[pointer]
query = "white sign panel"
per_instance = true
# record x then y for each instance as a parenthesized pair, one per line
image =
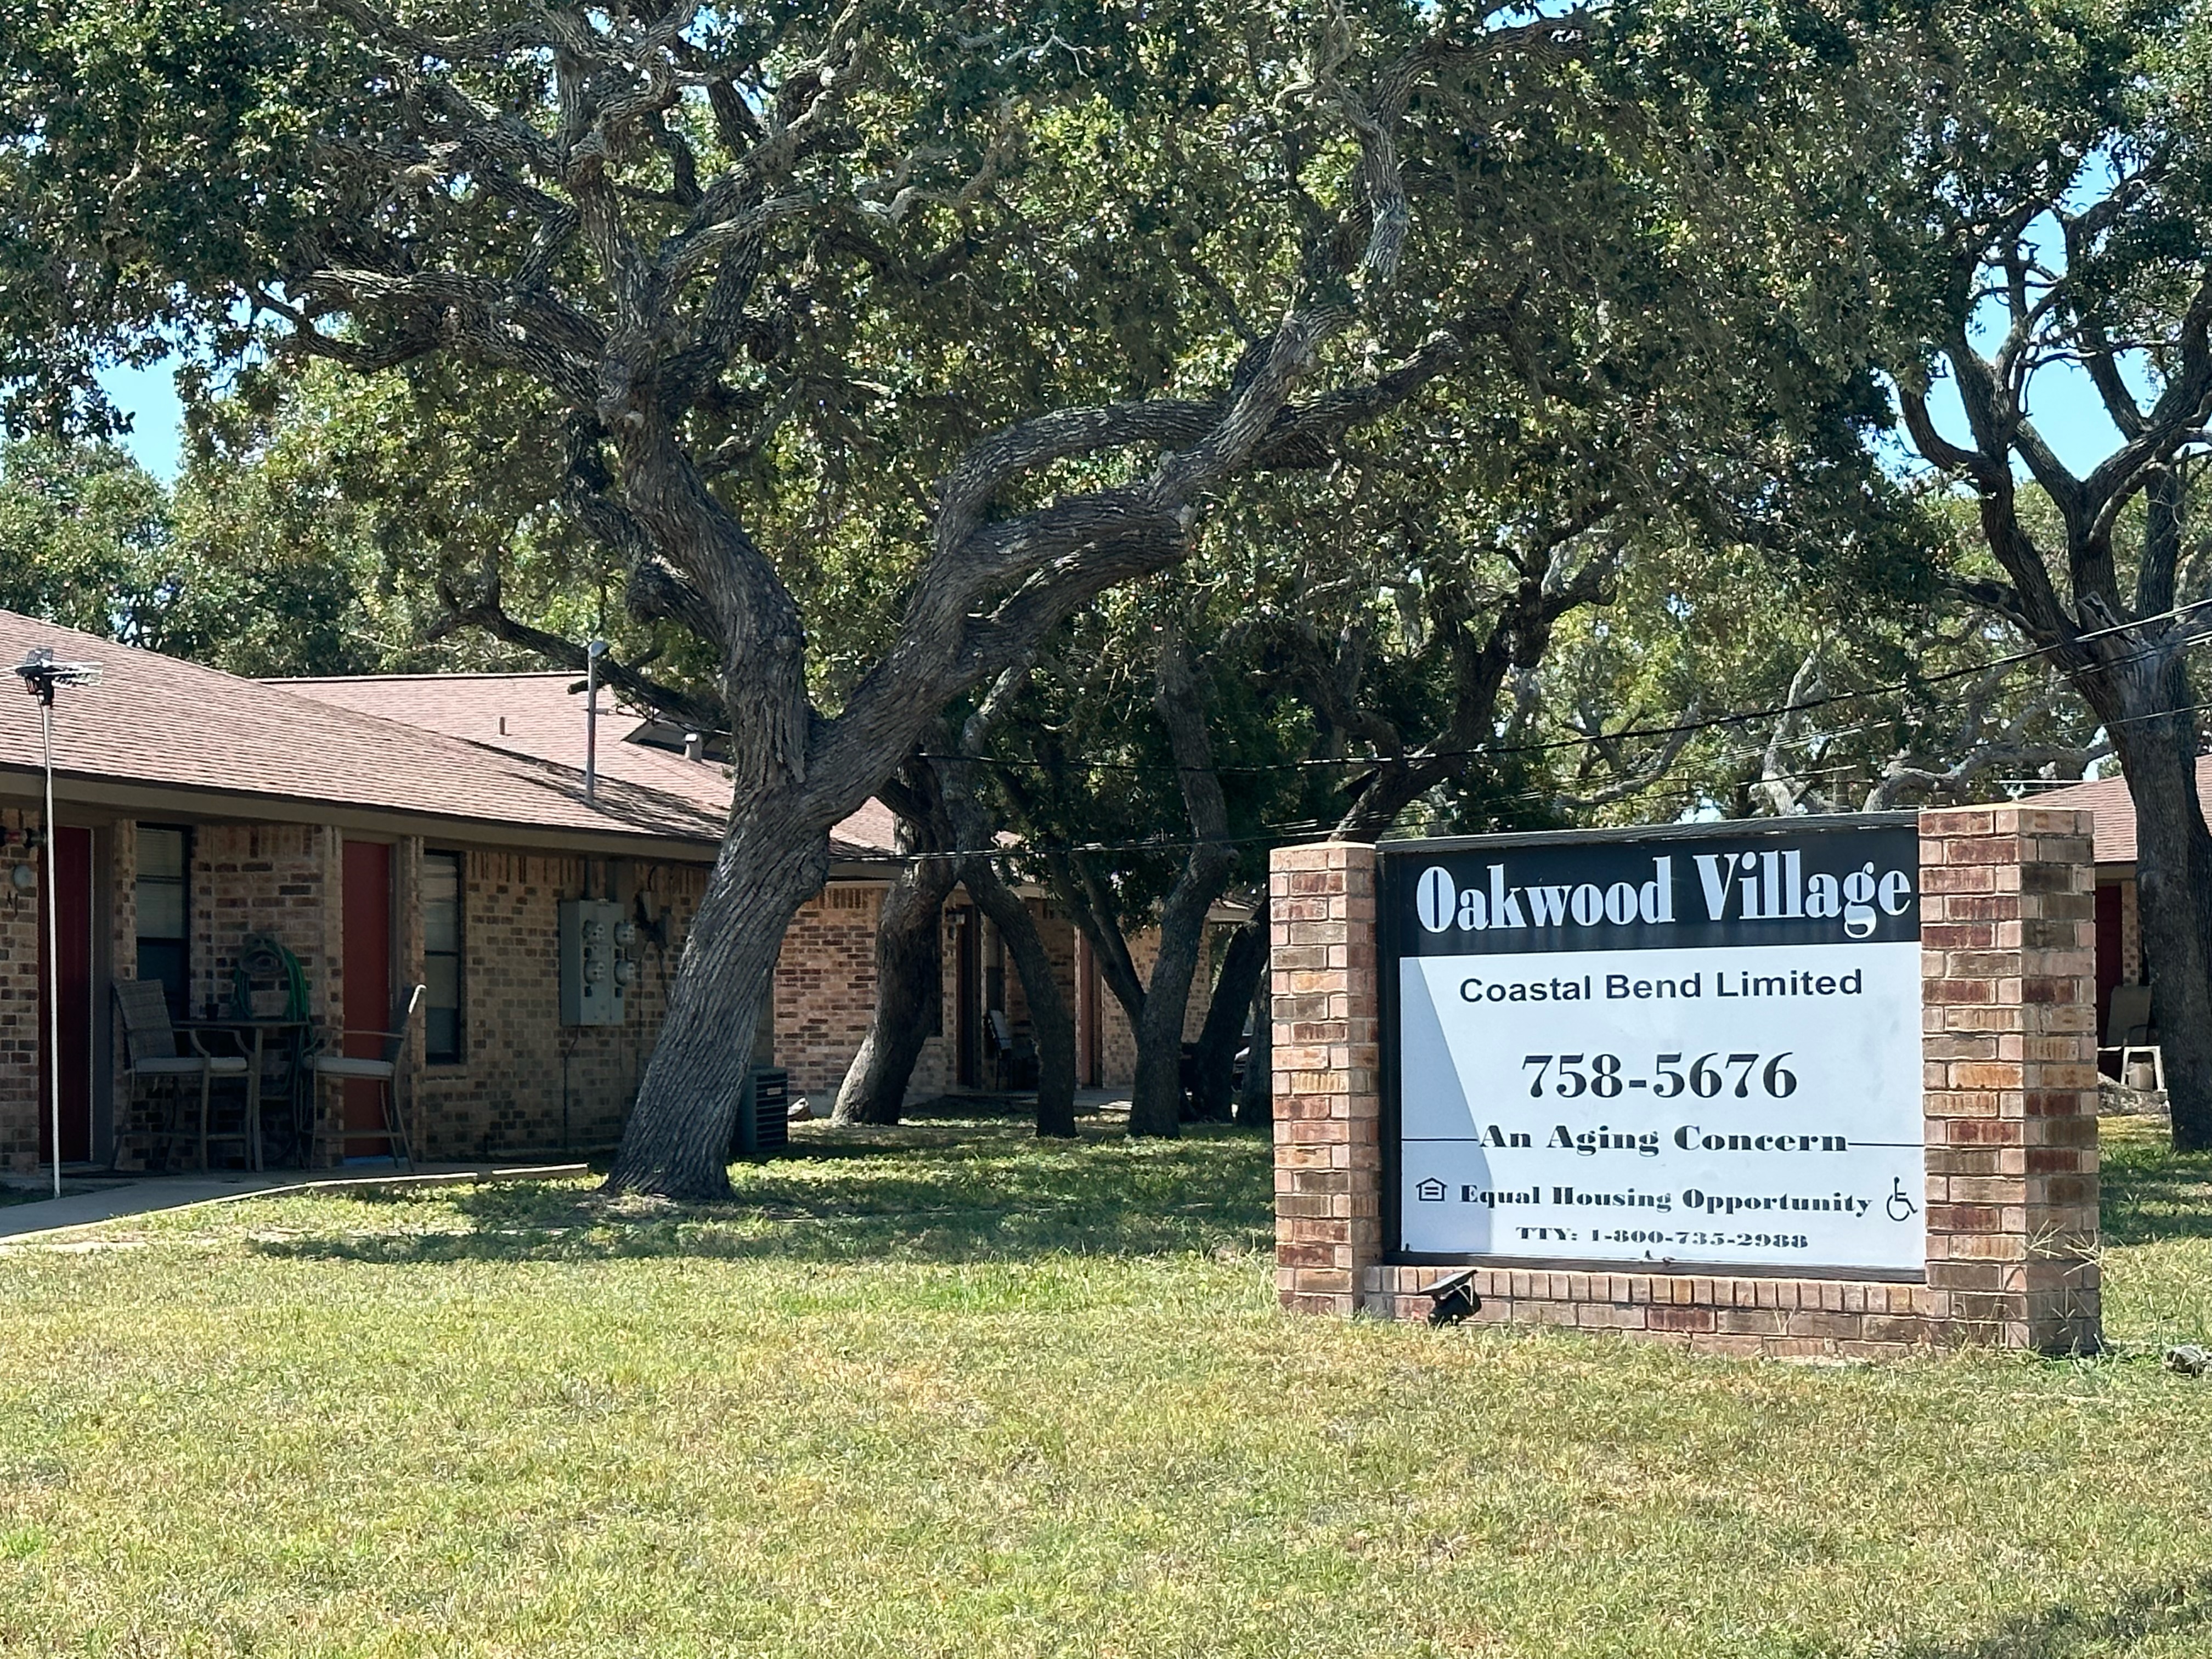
(1689, 1050)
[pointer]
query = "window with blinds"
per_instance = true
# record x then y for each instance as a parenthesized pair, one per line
(441, 955)
(165, 948)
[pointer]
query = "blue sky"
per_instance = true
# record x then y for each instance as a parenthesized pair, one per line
(149, 395)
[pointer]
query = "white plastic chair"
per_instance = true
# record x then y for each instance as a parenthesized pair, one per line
(2129, 1032)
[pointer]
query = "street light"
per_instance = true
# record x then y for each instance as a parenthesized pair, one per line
(41, 674)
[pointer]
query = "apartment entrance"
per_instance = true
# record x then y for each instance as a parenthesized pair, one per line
(65, 997)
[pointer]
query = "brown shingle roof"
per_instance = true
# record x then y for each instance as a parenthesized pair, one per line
(541, 716)
(153, 720)
(2116, 812)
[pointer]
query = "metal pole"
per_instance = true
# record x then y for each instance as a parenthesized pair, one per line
(591, 718)
(53, 953)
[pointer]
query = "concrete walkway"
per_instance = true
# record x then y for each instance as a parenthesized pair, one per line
(88, 1200)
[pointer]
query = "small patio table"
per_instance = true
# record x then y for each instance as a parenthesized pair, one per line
(252, 1037)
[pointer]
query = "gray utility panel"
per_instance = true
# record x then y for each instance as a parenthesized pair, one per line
(596, 967)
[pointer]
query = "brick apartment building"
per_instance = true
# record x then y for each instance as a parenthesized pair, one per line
(2119, 921)
(391, 831)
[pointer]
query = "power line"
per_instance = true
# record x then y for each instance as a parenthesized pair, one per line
(1292, 831)
(1678, 728)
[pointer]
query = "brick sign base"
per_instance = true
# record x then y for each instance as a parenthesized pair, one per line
(2008, 1016)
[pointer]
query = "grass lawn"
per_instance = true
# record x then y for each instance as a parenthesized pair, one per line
(940, 1392)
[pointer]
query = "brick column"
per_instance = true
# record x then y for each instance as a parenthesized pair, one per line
(22, 1036)
(1328, 1162)
(2008, 936)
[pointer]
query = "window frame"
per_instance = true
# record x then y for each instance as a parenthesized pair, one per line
(181, 992)
(458, 1053)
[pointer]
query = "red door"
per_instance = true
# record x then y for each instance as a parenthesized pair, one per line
(72, 898)
(2109, 931)
(367, 987)
(967, 1000)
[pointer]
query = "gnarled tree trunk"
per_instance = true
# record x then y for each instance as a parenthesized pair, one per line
(1214, 1071)
(910, 987)
(1156, 1102)
(1255, 1101)
(677, 1143)
(2156, 737)
(647, 211)
(1051, 1022)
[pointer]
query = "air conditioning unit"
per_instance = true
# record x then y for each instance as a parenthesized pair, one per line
(763, 1123)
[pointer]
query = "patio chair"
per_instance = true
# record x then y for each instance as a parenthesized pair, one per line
(2130, 1033)
(383, 1071)
(1013, 1060)
(150, 1041)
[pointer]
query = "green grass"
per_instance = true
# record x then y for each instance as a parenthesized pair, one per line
(942, 1391)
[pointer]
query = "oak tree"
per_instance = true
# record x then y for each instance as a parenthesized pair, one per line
(678, 224)
(2053, 215)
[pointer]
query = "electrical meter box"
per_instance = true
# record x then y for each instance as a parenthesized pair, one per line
(594, 967)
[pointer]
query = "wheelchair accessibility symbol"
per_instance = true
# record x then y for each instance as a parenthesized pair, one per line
(1901, 1208)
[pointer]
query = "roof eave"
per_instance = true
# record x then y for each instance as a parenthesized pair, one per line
(194, 800)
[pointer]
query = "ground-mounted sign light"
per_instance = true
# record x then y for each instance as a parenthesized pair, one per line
(41, 673)
(1699, 1044)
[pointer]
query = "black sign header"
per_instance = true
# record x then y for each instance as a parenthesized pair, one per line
(1672, 887)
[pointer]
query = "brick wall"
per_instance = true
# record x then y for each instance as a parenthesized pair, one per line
(527, 1085)
(825, 994)
(2007, 918)
(2008, 941)
(825, 988)
(1117, 1043)
(20, 1038)
(279, 879)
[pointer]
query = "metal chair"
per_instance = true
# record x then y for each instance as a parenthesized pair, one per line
(2129, 1032)
(1013, 1060)
(383, 1071)
(151, 1042)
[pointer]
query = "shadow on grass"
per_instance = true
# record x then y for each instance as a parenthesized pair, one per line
(2171, 1608)
(942, 1192)
(2149, 1192)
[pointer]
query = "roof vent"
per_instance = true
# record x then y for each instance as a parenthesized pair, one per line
(695, 745)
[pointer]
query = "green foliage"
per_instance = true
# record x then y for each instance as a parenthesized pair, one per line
(1086, 762)
(390, 488)
(1677, 256)
(1725, 635)
(85, 540)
